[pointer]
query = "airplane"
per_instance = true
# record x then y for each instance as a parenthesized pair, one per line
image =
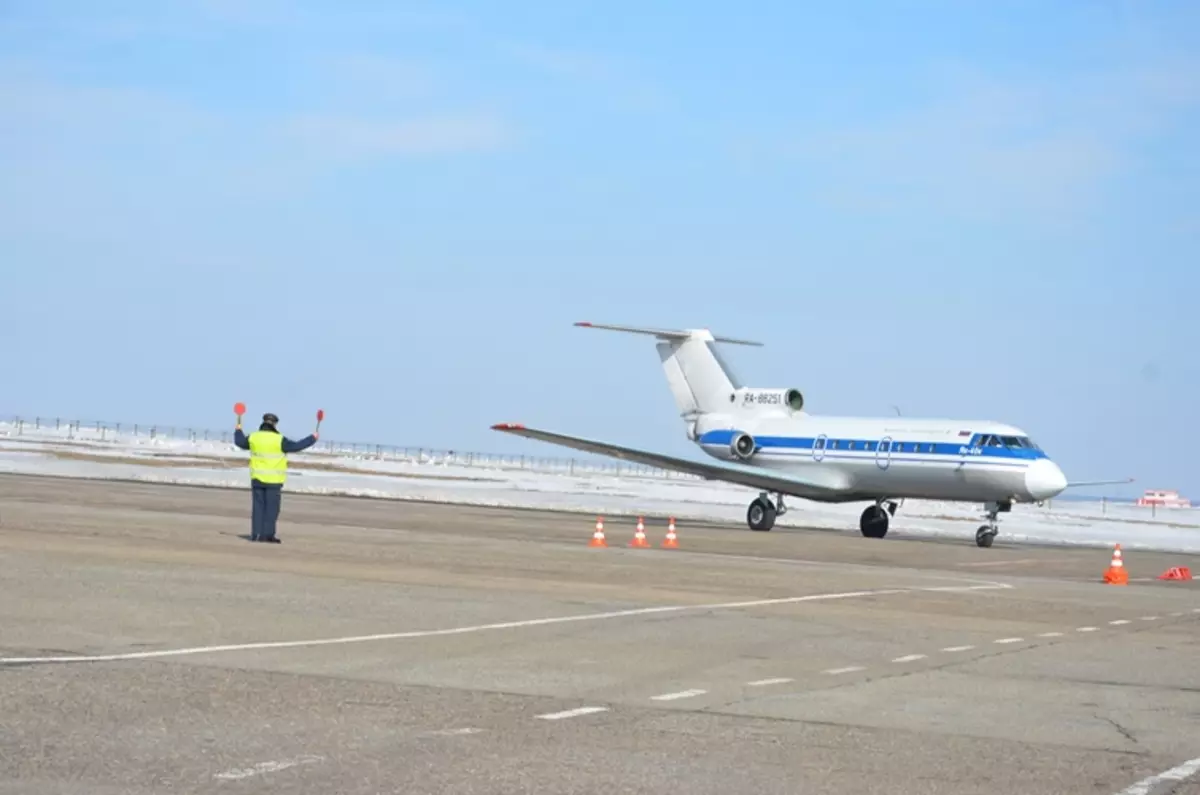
(766, 440)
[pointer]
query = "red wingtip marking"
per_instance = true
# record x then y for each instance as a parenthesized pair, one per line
(508, 426)
(584, 323)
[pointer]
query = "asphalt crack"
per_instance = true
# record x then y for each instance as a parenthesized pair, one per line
(1126, 733)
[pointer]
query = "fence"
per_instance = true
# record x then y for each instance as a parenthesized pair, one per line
(42, 429)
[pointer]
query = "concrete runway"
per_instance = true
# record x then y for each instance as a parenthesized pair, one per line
(413, 648)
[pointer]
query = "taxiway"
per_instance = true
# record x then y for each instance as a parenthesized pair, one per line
(386, 646)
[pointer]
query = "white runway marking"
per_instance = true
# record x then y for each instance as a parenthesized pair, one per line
(1011, 640)
(455, 732)
(1119, 622)
(680, 694)
(533, 622)
(1149, 618)
(1085, 629)
(572, 713)
(266, 767)
(1002, 562)
(1180, 773)
(847, 670)
(1050, 635)
(765, 682)
(909, 658)
(958, 648)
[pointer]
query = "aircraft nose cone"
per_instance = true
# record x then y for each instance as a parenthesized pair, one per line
(1044, 479)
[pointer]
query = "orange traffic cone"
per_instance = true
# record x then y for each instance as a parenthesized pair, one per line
(1116, 574)
(639, 535)
(1176, 573)
(598, 536)
(670, 542)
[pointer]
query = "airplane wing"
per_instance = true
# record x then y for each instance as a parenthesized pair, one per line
(831, 488)
(1075, 483)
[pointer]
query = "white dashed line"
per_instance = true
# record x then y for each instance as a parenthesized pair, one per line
(454, 732)
(1180, 773)
(909, 658)
(1050, 635)
(1119, 622)
(572, 713)
(1010, 640)
(266, 767)
(847, 670)
(765, 682)
(1085, 629)
(958, 648)
(1003, 562)
(680, 694)
(1149, 618)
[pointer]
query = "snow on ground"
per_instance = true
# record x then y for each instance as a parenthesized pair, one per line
(586, 487)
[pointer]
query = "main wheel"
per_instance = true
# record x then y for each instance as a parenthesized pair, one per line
(761, 515)
(874, 522)
(984, 536)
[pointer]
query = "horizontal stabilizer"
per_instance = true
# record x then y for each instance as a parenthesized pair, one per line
(830, 487)
(670, 334)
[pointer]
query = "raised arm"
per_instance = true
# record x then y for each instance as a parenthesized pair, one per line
(239, 438)
(290, 446)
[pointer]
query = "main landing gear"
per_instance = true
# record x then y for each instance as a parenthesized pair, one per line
(874, 520)
(762, 512)
(987, 533)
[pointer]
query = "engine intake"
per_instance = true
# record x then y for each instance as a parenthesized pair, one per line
(743, 446)
(794, 399)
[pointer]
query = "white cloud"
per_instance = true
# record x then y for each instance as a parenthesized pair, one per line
(358, 137)
(1035, 146)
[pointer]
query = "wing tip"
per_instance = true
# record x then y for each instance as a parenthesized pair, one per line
(508, 426)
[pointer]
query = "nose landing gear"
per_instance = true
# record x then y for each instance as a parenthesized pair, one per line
(987, 533)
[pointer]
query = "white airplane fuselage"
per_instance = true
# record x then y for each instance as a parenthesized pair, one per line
(872, 457)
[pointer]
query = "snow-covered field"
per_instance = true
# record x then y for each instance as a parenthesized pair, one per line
(596, 490)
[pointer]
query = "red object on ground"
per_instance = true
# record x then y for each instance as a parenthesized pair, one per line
(1176, 573)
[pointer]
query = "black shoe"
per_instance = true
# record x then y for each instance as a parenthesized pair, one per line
(272, 540)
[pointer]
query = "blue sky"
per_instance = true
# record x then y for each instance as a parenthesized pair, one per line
(396, 210)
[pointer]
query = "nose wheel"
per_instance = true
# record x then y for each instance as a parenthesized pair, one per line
(986, 534)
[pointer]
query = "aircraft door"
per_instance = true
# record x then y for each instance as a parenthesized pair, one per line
(883, 453)
(819, 448)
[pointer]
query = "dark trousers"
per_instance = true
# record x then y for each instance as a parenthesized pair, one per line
(267, 498)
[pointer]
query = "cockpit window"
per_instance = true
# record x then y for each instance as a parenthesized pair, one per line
(1011, 442)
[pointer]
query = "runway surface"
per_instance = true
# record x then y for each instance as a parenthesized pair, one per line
(400, 647)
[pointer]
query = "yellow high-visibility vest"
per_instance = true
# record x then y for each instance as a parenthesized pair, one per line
(268, 463)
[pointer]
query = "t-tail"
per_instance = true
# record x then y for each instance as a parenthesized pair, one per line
(701, 381)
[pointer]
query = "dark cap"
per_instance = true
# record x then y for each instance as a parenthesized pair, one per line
(271, 418)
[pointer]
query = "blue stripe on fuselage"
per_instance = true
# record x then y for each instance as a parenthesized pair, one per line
(839, 447)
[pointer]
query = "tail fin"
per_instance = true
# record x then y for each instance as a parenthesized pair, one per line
(700, 380)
